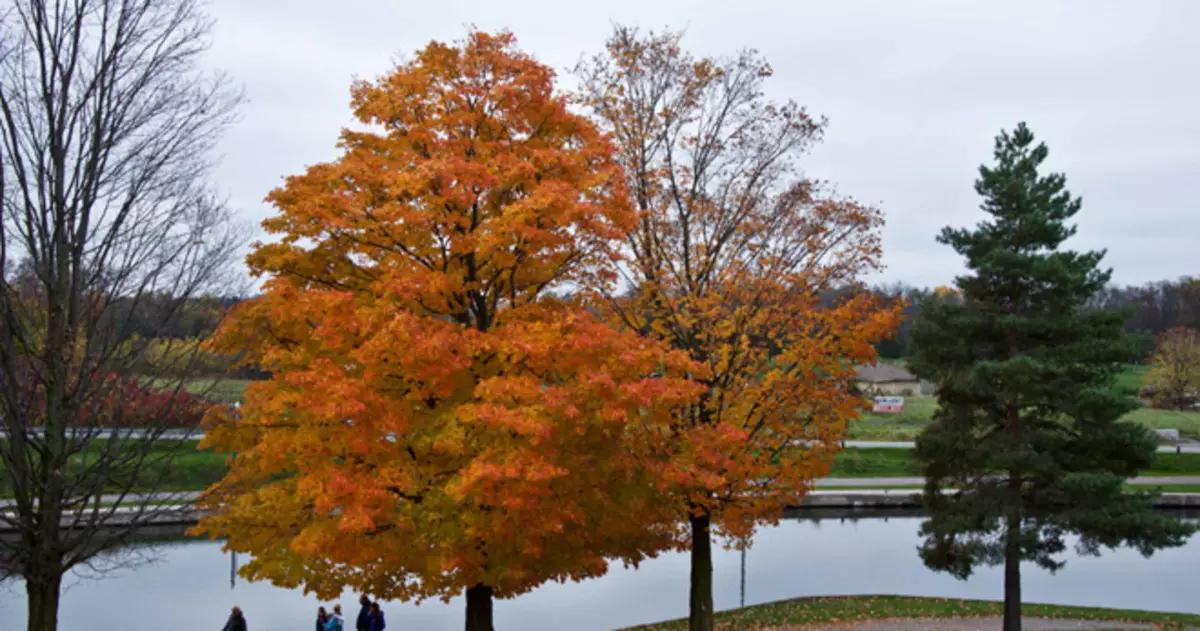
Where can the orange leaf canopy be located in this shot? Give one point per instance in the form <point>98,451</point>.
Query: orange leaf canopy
<point>436,420</point>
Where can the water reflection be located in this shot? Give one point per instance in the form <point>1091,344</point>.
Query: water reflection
<point>187,589</point>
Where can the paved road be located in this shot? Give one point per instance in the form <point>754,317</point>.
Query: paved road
<point>866,482</point>
<point>177,434</point>
<point>824,486</point>
<point>1187,448</point>
<point>179,497</point>
<point>169,434</point>
<point>181,434</point>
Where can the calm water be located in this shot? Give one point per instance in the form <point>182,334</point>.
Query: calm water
<point>189,588</point>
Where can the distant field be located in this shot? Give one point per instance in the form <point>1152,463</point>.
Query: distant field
<point>222,390</point>
<point>918,411</point>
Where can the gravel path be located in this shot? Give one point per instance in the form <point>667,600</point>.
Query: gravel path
<point>836,482</point>
<point>975,624</point>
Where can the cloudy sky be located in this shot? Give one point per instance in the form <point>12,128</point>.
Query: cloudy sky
<point>914,92</point>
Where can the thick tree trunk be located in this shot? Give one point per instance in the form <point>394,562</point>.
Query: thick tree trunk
<point>700,611</point>
<point>479,608</point>
<point>43,595</point>
<point>1012,557</point>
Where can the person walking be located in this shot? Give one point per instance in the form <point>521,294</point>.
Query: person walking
<point>322,618</point>
<point>336,621</point>
<point>363,623</point>
<point>377,623</point>
<point>236,622</point>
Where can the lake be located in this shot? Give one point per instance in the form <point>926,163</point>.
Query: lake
<point>188,588</point>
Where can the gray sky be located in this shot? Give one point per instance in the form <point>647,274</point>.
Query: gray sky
<point>914,91</point>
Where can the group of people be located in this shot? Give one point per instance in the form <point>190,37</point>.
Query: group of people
<point>370,618</point>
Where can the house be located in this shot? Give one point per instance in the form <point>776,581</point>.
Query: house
<point>886,380</point>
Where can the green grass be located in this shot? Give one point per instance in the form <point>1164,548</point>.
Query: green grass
<point>882,462</point>
<point>842,609</point>
<point>875,463</point>
<point>1130,378</point>
<point>221,390</point>
<point>190,469</point>
<point>196,470</point>
<point>918,412</point>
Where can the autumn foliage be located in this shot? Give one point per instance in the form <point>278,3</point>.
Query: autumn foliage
<point>437,421</point>
<point>1174,375</point>
<point>747,266</point>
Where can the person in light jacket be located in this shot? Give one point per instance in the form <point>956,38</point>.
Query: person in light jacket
<point>336,621</point>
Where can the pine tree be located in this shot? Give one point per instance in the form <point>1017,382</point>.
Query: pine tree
<point>1028,429</point>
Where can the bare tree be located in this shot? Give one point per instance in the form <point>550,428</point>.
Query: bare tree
<point>106,128</point>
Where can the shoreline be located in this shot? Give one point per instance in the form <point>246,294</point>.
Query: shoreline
<point>819,503</point>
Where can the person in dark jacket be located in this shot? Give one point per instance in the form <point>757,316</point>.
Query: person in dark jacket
<point>236,621</point>
<point>363,623</point>
<point>377,623</point>
<point>322,618</point>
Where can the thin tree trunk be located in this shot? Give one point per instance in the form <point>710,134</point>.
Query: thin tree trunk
<point>700,605</point>
<point>1012,557</point>
<point>43,593</point>
<point>479,608</point>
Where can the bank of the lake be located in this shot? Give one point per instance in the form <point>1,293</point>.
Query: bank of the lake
<point>194,469</point>
<point>839,610</point>
<point>812,553</point>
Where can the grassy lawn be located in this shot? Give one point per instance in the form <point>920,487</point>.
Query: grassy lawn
<point>196,470</point>
<point>876,463</point>
<point>190,470</point>
<point>842,609</point>
<point>221,390</point>
<point>918,411</point>
<point>898,463</point>
<point>1130,378</point>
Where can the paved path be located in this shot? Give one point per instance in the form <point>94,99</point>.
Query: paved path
<point>829,485</point>
<point>1187,448</point>
<point>975,624</point>
<point>180,434</point>
<point>178,497</point>
<point>868,482</point>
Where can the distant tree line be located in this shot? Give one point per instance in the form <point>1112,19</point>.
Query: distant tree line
<point>1155,308</point>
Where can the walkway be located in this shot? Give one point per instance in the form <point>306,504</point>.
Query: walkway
<point>880,482</point>
<point>830,484</point>
<point>1187,448</point>
<point>182,434</point>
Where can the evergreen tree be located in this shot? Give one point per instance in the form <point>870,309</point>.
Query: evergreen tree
<point>1029,427</point>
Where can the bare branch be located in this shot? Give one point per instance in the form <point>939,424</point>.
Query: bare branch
<point>107,214</point>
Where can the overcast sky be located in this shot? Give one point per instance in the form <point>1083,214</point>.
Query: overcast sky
<point>914,92</point>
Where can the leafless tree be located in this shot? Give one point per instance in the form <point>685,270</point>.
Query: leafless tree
<point>107,125</point>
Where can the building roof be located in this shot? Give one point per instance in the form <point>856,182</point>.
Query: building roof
<point>882,373</point>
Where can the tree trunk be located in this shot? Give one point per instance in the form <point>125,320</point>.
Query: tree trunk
<point>479,608</point>
<point>700,611</point>
<point>43,595</point>
<point>1012,557</point>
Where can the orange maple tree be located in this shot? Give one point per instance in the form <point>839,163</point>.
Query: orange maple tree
<point>750,268</point>
<point>436,420</point>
